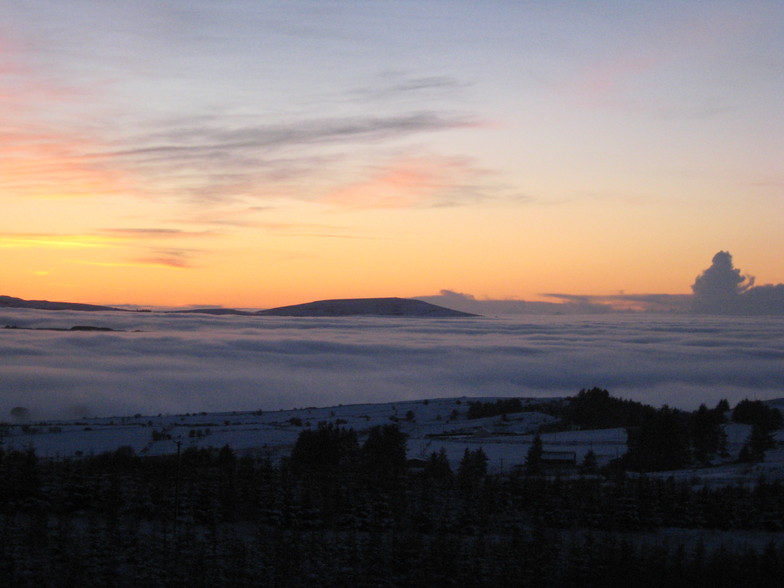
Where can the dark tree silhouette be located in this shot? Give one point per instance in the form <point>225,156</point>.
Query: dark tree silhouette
<point>661,442</point>
<point>759,441</point>
<point>325,449</point>
<point>707,433</point>
<point>438,468</point>
<point>472,471</point>
<point>533,460</point>
<point>589,465</point>
<point>752,412</point>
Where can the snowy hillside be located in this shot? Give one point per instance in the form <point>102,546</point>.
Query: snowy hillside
<point>430,425</point>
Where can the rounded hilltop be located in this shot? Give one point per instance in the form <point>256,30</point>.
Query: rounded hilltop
<point>366,307</point>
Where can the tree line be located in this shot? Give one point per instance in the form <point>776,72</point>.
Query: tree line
<point>658,439</point>
<point>342,509</point>
<point>345,507</point>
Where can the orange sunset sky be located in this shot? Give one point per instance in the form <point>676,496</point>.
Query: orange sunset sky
<point>255,154</point>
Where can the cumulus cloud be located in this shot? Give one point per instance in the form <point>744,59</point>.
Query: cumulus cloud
<point>719,287</point>
<point>767,299</point>
<point>722,289</point>
<point>187,363</point>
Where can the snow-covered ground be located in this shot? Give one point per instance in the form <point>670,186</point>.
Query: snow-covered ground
<point>430,424</point>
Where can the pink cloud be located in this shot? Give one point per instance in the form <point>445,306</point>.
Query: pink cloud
<point>409,183</point>
<point>603,83</point>
<point>50,165</point>
<point>163,262</point>
<point>43,145</point>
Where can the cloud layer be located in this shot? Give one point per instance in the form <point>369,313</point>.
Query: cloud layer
<point>189,363</point>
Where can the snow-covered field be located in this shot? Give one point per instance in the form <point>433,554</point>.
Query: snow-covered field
<point>430,424</point>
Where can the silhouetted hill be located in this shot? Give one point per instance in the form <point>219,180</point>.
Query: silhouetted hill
<point>366,307</point>
<point>345,307</point>
<point>11,302</point>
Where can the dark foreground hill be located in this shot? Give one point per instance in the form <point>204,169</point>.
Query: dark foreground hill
<point>366,307</point>
<point>384,503</point>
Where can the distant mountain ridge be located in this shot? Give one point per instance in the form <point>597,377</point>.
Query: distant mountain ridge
<point>366,307</point>
<point>11,302</point>
<point>407,307</point>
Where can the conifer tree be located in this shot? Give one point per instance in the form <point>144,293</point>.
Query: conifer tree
<point>760,440</point>
<point>533,460</point>
<point>472,471</point>
<point>589,465</point>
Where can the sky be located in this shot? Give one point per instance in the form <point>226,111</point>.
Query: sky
<point>254,154</point>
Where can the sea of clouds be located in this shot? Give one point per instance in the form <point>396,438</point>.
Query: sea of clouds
<point>178,363</point>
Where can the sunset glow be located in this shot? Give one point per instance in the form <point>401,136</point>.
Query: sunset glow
<point>254,154</point>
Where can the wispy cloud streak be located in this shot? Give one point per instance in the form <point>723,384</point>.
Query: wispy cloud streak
<point>225,162</point>
<point>117,240</point>
<point>422,182</point>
